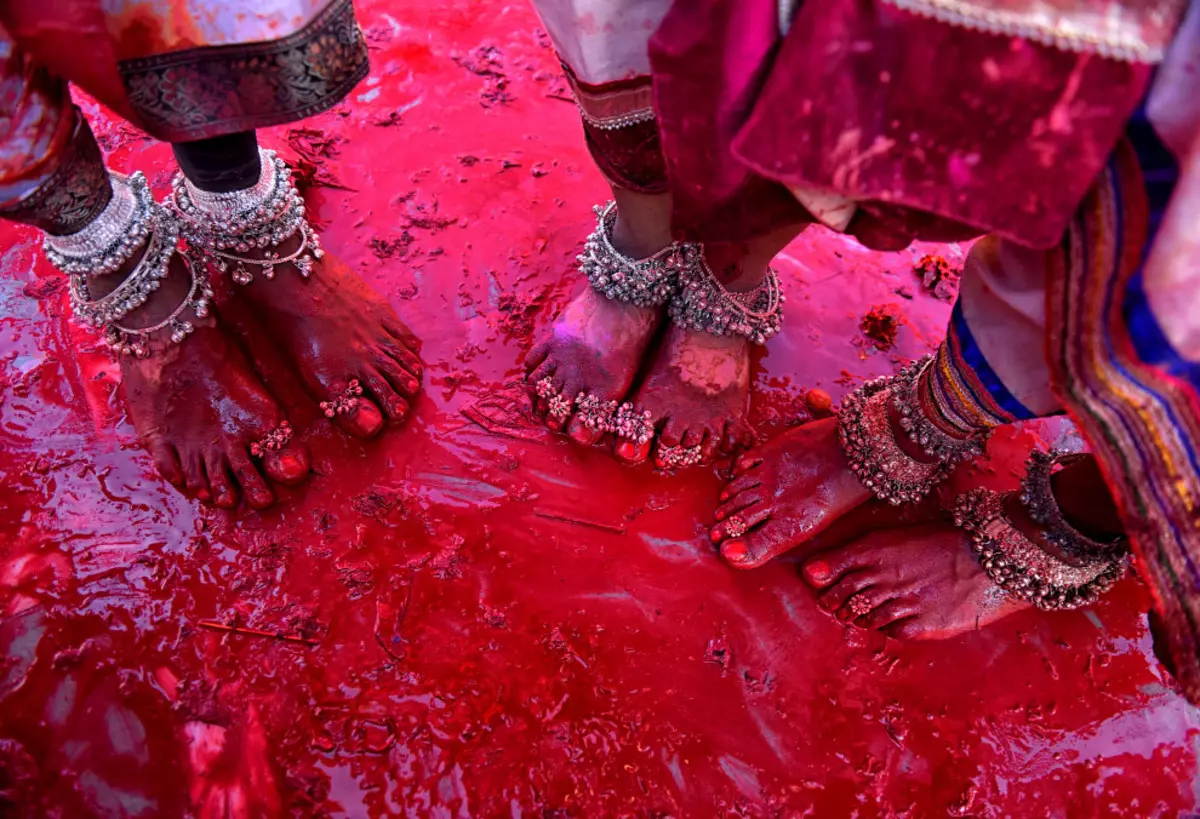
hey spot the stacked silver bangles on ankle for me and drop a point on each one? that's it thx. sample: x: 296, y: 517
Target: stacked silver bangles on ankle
x: 131, y: 221
x: 1082, y: 571
x: 679, y: 277
x: 869, y: 442
x: 223, y: 227
x: 111, y: 239
x: 647, y: 282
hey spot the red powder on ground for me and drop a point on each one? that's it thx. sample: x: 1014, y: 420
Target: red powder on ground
x: 882, y: 324
x: 503, y: 623
x: 938, y: 277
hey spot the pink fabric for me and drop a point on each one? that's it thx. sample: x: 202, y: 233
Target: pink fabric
x: 998, y: 133
x: 36, y: 121
x: 710, y: 58
x: 967, y: 133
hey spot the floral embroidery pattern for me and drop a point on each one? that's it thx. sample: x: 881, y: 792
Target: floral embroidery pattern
x: 215, y: 90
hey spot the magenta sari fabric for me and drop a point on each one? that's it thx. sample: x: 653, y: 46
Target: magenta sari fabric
x: 970, y: 133
x: 710, y: 60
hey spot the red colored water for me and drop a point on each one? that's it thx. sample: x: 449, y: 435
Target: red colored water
x: 503, y: 626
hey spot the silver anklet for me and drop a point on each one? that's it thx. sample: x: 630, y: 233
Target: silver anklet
x: 131, y: 293
x: 224, y: 226
x: 1037, y: 496
x: 132, y: 341
x: 647, y: 282
x: 705, y: 305
x: 132, y: 220
x: 870, y: 445
x: 112, y: 238
x: 1022, y: 568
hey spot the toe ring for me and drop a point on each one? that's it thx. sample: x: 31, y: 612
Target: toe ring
x: 275, y: 440
x: 859, y: 605
x: 344, y: 404
x: 678, y: 457
x: 595, y: 413
x: 635, y: 426
x: 560, y: 407
x: 559, y: 404
x: 735, y: 526
x: 545, y: 388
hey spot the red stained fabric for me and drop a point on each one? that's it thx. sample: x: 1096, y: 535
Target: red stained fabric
x: 986, y: 131
x: 629, y: 157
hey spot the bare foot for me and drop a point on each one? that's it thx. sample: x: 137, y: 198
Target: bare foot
x: 198, y: 407
x: 336, y: 330
x: 914, y: 583
x: 785, y: 493
x: 595, y: 346
x: 698, y: 393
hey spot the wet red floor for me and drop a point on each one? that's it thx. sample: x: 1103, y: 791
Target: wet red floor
x: 499, y: 625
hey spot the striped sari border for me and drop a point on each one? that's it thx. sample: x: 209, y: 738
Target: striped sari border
x: 1142, y: 422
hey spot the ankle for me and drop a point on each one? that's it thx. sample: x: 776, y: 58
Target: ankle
x: 171, y: 290
x: 736, y: 269
x: 638, y: 240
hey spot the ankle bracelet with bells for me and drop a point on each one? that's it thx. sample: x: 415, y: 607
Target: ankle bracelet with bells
x: 224, y: 227
x: 132, y: 220
x: 870, y: 445
x: 647, y: 282
x: 705, y: 305
x: 1026, y: 570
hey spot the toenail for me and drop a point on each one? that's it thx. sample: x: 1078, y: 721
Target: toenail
x: 720, y: 515
x: 715, y: 534
x: 203, y: 495
x: 291, y: 465
x: 724, y: 496
x: 734, y: 550
x: 367, y: 419
x: 817, y: 571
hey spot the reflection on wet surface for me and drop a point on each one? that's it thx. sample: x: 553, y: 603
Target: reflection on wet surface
x: 487, y: 620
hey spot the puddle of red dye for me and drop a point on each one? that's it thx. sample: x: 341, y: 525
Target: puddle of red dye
x: 504, y: 624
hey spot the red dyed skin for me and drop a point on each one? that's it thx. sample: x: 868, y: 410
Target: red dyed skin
x: 911, y: 582
x: 332, y: 328
x: 518, y: 662
x: 696, y: 386
x: 199, y: 405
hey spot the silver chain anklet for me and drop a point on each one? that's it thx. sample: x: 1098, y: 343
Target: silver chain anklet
x: 96, y: 250
x: 131, y: 293
x: 647, y: 282
x: 132, y: 341
x: 225, y: 226
x: 705, y: 305
x: 1021, y: 567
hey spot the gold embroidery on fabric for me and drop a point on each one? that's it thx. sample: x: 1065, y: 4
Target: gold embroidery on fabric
x: 1128, y: 30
